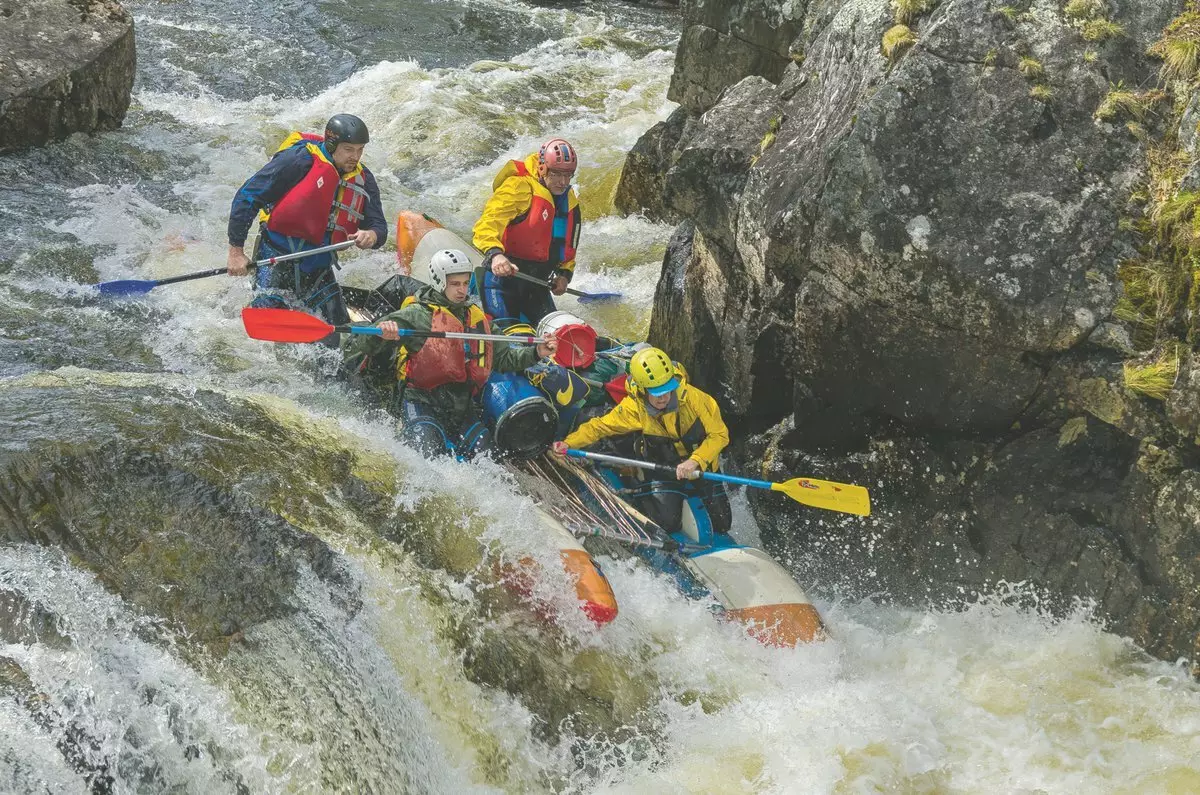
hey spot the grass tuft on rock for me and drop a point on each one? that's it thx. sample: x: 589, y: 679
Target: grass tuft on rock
x: 1153, y: 379
x: 1181, y: 59
x: 1031, y: 68
x: 1082, y: 10
x: 905, y: 12
x: 1153, y: 293
x: 1120, y: 101
x: 1042, y: 92
x: 1101, y: 30
x: 896, y: 40
x: 1179, y: 47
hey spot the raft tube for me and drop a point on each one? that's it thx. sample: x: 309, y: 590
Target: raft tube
x: 748, y: 583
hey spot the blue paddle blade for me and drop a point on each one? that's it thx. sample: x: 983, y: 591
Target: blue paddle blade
x: 598, y: 298
x: 126, y: 287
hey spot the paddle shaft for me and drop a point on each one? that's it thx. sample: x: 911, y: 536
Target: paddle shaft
x: 666, y: 469
x: 843, y: 497
x: 535, y: 280
x: 450, y: 335
x: 268, y: 261
x: 140, y: 286
x: 298, y: 254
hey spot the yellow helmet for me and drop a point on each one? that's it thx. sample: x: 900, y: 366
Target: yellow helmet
x: 652, y: 370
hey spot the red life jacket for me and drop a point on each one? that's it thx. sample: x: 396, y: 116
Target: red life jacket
x: 448, y: 361
x: 528, y: 236
x: 323, y: 202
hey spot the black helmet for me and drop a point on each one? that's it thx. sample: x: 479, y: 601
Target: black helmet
x: 345, y: 129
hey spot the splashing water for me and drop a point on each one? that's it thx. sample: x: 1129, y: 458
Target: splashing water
x: 377, y: 652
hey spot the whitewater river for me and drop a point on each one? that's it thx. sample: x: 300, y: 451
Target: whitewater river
x: 220, y: 573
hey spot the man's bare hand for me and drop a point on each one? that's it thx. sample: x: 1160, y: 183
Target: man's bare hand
x: 547, y: 347
x: 237, y: 262
x: 390, y: 330
x: 503, y: 266
x: 365, y: 238
x: 688, y: 470
x: 558, y: 285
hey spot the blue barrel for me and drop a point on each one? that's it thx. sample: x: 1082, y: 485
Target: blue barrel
x: 522, y: 419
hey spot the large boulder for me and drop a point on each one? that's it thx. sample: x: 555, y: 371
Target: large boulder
x: 909, y: 263
x: 939, y: 228
x: 65, y: 66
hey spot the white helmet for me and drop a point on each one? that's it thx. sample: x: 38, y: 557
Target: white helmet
x: 447, y: 262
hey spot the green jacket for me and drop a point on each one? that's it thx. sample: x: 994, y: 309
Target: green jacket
x: 373, y: 359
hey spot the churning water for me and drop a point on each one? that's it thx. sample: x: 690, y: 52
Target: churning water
x: 221, y: 573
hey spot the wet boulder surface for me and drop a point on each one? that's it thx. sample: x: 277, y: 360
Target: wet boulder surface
x: 249, y: 553
x: 65, y: 66
x: 904, y: 227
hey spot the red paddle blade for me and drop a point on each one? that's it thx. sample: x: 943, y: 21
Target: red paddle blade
x: 284, y: 325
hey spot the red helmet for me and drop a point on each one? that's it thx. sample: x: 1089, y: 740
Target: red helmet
x: 556, y: 154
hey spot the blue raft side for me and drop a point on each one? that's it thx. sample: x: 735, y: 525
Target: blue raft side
x: 669, y: 563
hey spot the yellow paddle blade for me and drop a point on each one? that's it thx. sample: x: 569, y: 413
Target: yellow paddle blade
x: 826, y: 494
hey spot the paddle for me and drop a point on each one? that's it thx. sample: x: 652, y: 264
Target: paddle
x: 584, y: 298
x: 289, y: 325
x: 138, y: 287
x: 806, y: 491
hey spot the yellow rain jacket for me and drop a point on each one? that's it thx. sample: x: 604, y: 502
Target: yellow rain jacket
x: 695, y: 429
x: 508, y: 211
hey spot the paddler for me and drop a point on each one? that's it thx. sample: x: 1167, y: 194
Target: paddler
x: 433, y: 385
x: 313, y: 192
x: 668, y: 421
x: 530, y: 225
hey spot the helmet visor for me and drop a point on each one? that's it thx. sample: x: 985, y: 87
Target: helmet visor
x: 662, y: 389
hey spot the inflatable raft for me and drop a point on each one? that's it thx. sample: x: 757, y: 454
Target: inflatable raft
x: 750, y: 586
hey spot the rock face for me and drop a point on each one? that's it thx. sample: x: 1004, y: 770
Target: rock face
x: 909, y: 264
x: 65, y: 66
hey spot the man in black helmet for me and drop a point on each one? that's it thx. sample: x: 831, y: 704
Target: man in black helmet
x: 313, y: 192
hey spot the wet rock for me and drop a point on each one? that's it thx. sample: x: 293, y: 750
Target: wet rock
x: 65, y: 66
x: 714, y: 158
x: 642, y: 177
x: 22, y: 621
x: 1183, y: 404
x: 224, y: 568
x: 222, y: 520
x: 726, y: 40
x: 911, y: 277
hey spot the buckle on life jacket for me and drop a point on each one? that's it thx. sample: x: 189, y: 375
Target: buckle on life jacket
x: 355, y: 214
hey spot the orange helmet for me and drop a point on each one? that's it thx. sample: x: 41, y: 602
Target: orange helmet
x: 558, y: 155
